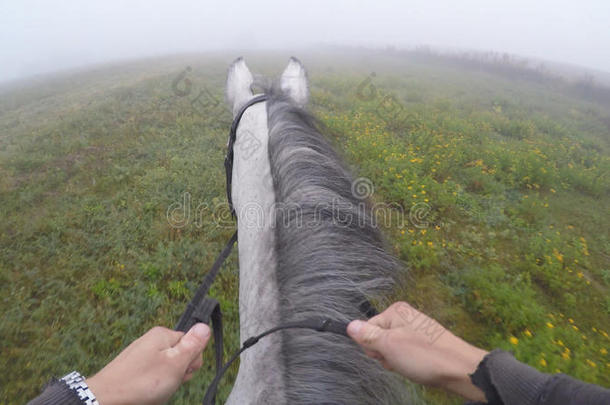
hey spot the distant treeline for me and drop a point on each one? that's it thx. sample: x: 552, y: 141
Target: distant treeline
x: 514, y: 67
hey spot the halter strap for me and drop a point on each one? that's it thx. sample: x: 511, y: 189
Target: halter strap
x: 232, y: 137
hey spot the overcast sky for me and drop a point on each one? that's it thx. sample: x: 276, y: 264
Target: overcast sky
x: 43, y: 36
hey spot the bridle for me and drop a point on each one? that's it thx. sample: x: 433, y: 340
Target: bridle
x: 207, y: 310
x: 232, y: 138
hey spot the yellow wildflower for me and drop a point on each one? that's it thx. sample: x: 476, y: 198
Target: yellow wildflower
x: 543, y: 362
x: 514, y: 340
x: 550, y: 325
x: 558, y: 255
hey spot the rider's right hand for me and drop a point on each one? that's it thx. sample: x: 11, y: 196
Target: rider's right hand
x: 411, y: 343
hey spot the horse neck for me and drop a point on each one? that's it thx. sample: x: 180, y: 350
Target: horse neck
x: 259, y: 379
x: 330, y: 260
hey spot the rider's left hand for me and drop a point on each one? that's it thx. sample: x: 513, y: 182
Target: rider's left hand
x: 151, y: 368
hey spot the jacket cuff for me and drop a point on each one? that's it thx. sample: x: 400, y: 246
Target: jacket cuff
x: 504, y: 380
x: 57, y: 392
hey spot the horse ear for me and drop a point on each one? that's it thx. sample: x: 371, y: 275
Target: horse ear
x: 239, y: 84
x: 294, y: 82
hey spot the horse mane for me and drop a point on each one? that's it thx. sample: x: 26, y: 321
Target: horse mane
x: 330, y: 261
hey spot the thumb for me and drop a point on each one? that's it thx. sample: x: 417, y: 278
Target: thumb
x: 192, y: 343
x: 366, y: 334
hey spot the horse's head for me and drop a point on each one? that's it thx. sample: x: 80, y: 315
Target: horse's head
x: 240, y: 83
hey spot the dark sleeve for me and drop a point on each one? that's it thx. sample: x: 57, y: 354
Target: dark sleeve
x: 506, y: 381
x: 57, y: 392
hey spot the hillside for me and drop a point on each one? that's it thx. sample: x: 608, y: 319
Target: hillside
x: 508, y: 244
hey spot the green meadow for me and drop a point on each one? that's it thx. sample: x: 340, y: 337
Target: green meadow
x: 502, y: 183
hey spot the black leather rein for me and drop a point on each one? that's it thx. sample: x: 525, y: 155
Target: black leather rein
x: 207, y: 310
x: 231, y: 144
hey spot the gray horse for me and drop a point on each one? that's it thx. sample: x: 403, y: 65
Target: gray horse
x: 307, y: 247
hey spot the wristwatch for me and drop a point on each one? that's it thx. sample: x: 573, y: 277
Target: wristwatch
x: 76, y: 383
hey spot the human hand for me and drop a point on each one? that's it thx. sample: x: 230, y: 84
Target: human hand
x: 151, y: 368
x: 411, y: 343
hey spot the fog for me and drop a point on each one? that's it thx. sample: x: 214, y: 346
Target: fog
x: 44, y: 36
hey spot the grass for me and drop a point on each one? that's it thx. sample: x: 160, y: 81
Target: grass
x: 511, y: 252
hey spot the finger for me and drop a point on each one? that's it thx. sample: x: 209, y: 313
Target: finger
x: 162, y: 338
x: 190, y: 346
x: 192, y: 368
x: 367, y: 335
x: 405, y: 314
x: 195, y: 364
x: 187, y: 377
x: 373, y: 354
x: 383, y: 320
x: 386, y: 365
x: 396, y: 315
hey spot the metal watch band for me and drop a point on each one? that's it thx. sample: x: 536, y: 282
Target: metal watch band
x: 76, y: 382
